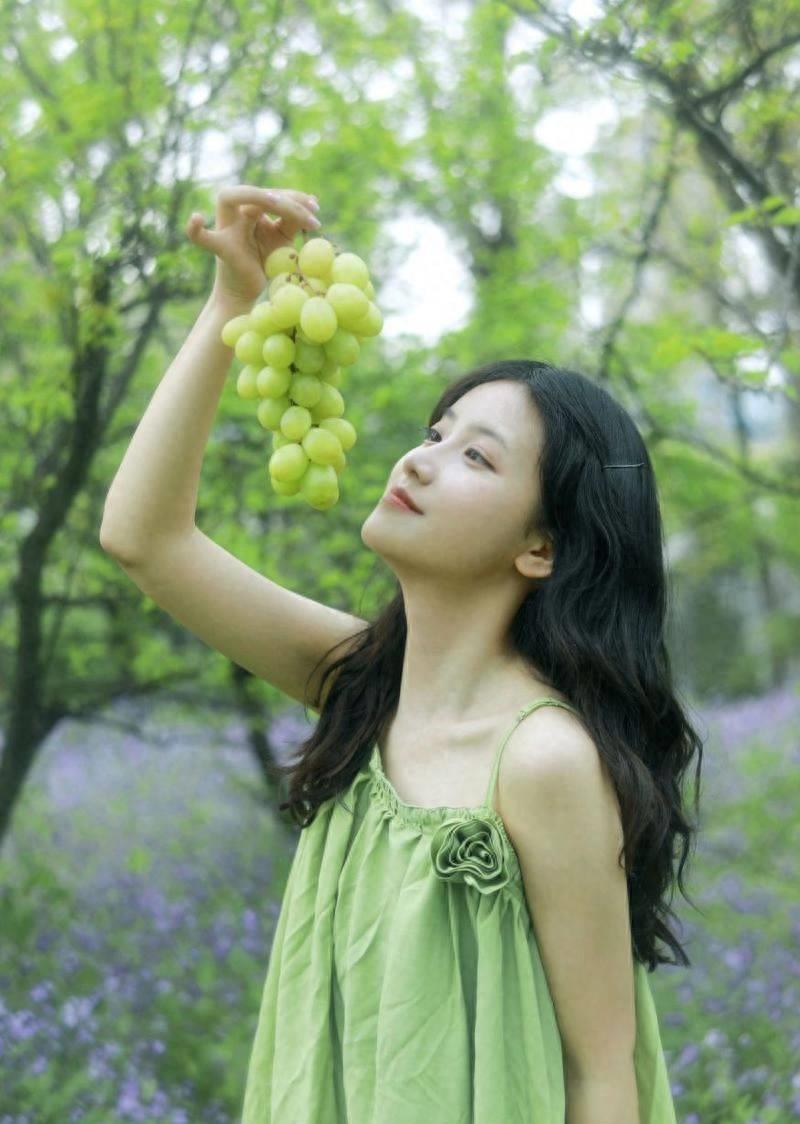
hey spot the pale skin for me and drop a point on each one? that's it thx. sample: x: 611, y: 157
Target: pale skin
x: 463, y: 565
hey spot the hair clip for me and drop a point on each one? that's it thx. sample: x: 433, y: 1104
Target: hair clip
x: 637, y: 465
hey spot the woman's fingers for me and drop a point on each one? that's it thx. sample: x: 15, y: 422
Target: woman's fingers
x: 294, y: 206
x: 293, y: 209
x: 267, y: 230
x: 304, y: 198
x: 196, y: 231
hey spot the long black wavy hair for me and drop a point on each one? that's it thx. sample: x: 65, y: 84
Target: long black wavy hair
x: 594, y: 629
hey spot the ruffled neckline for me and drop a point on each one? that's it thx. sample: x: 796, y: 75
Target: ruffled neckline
x: 479, y: 829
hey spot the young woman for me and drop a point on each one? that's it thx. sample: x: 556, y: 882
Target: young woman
x: 457, y: 940
x: 490, y: 798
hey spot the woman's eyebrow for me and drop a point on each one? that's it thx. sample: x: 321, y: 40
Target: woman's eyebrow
x: 477, y: 426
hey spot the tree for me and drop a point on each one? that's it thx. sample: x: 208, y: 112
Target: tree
x: 726, y: 77
x: 101, y: 170
x: 107, y: 111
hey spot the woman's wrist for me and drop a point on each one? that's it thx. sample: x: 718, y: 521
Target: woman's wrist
x: 229, y: 303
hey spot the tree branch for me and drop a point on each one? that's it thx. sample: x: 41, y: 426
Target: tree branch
x: 641, y: 258
x: 782, y: 485
x: 728, y: 168
x: 756, y: 64
x: 38, y: 84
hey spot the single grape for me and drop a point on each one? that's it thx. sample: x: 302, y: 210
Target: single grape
x: 305, y: 390
x: 309, y: 358
x: 316, y: 258
x: 289, y: 462
x: 285, y: 487
x: 348, y: 302
x: 234, y: 329
x: 271, y: 410
x: 343, y: 348
x: 320, y: 486
x: 322, y: 446
x: 295, y: 422
x: 331, y: 403
x: 278, y: 350
x: 247, y: 382
x: 273, y: 382
x: 284, y: 258
x: 248, y: 347
x: 350, y: 268
x: 318, y: 320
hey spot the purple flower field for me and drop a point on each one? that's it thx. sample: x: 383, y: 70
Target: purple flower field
x: 141, y: 886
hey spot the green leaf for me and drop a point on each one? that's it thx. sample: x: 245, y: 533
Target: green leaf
x: 787, y: 216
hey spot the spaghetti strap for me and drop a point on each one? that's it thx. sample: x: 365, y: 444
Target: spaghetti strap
x: 526, y: 710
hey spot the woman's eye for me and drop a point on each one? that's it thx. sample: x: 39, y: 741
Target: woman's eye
x: 428, y: 430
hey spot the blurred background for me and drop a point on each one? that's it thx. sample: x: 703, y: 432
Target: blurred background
x: 608, y: 186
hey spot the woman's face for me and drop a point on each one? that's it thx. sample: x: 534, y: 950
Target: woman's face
x: 476, y: 491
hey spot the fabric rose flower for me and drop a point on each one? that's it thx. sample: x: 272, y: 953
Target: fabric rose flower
x: 470, y: 851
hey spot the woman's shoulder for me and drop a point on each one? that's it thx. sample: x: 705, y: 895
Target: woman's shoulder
x: 524, y: 685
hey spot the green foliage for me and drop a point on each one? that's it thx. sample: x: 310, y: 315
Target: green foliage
x: 100, y: 286
x: 772, y: 211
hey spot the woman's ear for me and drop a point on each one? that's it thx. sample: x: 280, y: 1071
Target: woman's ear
x: 537, y: 560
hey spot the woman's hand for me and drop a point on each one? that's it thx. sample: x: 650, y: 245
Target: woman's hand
x: 245, y: 236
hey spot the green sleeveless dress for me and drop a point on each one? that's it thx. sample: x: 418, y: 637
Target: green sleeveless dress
x: 404, y: 980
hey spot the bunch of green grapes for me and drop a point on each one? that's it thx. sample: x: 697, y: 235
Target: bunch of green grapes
x: 294, y: 346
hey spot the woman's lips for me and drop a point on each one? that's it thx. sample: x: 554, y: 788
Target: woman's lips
x: 393, y: 499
